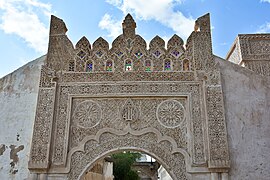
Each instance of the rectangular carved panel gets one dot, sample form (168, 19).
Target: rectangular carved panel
(39, 157)
(168, 114)
(259, 46)
(217, 133)
(93, 95)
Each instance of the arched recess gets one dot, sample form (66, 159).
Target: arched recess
(89, 66)
(186, 65)
(108, 140)
(109, 66)
(128, 65)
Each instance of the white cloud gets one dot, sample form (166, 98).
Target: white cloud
(265, 1)
(111, 25)
(22, 18)
(114, 2)
(162, 11)
(265, 28)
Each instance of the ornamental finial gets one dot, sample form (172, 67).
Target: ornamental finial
(129, 26)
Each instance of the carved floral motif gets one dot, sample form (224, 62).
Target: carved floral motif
(87, 114)
(170, 113)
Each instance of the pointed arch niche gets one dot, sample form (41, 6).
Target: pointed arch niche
(89, 67)
(186, 65)
(148, 65)
(128, 65)
(109, 66)
(167, 65)
(71, 66)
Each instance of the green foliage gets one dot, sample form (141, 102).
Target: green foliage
(122, 163)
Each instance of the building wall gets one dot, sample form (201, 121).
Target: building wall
(18, 98)
(247, 104)
(246, 97)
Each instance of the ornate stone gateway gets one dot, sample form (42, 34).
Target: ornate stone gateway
(94, 101)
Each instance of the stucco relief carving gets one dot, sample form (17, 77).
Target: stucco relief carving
(217, 145)
(256, 54)
(130, 112)
(166, 111)
(87, 114)
(142, 88)
(260, 46)
(170, 113)
(139, 111)
(43, 129)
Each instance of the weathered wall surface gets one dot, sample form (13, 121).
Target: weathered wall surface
(247, 104)
(18, 98)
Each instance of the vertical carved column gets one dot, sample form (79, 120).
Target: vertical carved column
(217, 132)
(201, 44)
(41, 141)
(60, 51)
(201, 41)
(129, 26)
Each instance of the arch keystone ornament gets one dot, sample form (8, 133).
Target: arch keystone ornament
(175, 115)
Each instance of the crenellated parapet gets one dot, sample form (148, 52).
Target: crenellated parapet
(128, 53)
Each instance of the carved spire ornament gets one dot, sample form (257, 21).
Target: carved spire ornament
(129, 26)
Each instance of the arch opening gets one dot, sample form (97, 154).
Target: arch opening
(146, 166)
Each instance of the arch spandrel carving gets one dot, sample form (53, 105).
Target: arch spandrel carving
(165, 112)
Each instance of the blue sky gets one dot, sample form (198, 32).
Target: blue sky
(24, 24)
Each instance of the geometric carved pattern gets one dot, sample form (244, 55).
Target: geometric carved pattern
(170, 113)
(253, 52)
(42, 129)
(217, 130)
(259, 46)
(87, 114)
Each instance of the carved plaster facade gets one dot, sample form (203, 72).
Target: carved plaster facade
(251, 51)
(166, 102)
